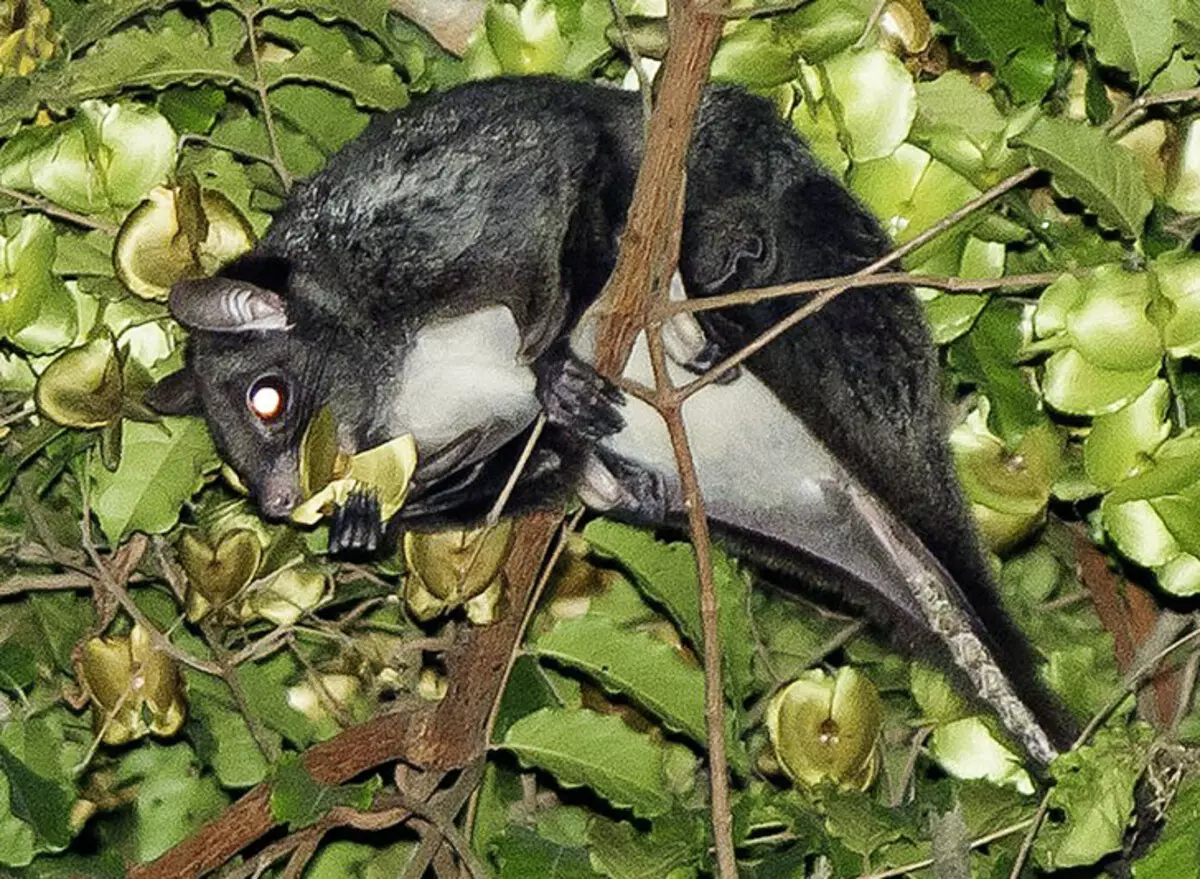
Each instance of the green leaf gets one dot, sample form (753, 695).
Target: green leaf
(36, 800)
(266, 684)
(94, 19)
(1187, 19)
(1176, 469)
(248, 135)
(528, 690)
(26, 281)
(1076, 387)
(527, 40)
(958, 123)
(300, 800)
(135, 148)
(328, 119)
(1178, 277)
(192, 109)
(578, 747)
(369, 16)
(1135, 35)
(522, 853)
(1122, 441)
(87, 254)
(667, 573)
(1089, 165)
(987, 357)
(676, 841)
(914, 192)
(136, 57)
(173, 797)
(1175, 854)
(224, 741)
(874, 100)
(375, 86)
(863, 825)
(58, 163)
(108, 155)
(820, 29)
(1153, 518)
(1111, 327)
(19, 100)
(1015, 36)
(950, 316)
(636, 664)
(586, 34)
(751, 55)
(1094, 792)
(82, 387)
(161, 467)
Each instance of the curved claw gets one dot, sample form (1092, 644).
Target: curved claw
(357, 526)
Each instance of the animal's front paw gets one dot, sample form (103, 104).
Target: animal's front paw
(579, 399)
(357, 526)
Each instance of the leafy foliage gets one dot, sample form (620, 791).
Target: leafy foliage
(146, 141)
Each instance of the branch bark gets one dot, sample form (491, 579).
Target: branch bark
(647, 259)
(443, 735)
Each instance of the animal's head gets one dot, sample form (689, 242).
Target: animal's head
(258, 370)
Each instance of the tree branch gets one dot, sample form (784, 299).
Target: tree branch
(647, 259)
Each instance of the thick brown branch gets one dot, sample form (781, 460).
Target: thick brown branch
(650, 243)
(445, 735)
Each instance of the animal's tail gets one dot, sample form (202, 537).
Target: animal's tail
(768, 480)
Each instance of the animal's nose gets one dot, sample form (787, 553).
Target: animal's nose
(279, 502)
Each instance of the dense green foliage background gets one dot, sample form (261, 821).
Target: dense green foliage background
(146, 141)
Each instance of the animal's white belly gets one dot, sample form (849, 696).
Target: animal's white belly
(760, 469)
(462, 378)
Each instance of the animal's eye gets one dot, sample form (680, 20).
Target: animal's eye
(267, 398)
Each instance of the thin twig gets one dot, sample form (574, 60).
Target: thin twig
(1120, 125)
(303, 853)
(324, 696)
(51, 209)
(669, 406)
(20, 583)
(497, 510)
(118, 591)
(857, 280)
(646, 261)
(635, 61)
(229, 674)
(110, 717)
(1187, 688)
(442, 820)
(257, 864)
(530, 608)
(928, 862)
(25, 410)
(910, 766)
(264, 100)
(447, 804)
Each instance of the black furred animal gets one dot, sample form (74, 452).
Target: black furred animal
(435, 279)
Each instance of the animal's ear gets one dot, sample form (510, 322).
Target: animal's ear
(225, 305)
(175, 394)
